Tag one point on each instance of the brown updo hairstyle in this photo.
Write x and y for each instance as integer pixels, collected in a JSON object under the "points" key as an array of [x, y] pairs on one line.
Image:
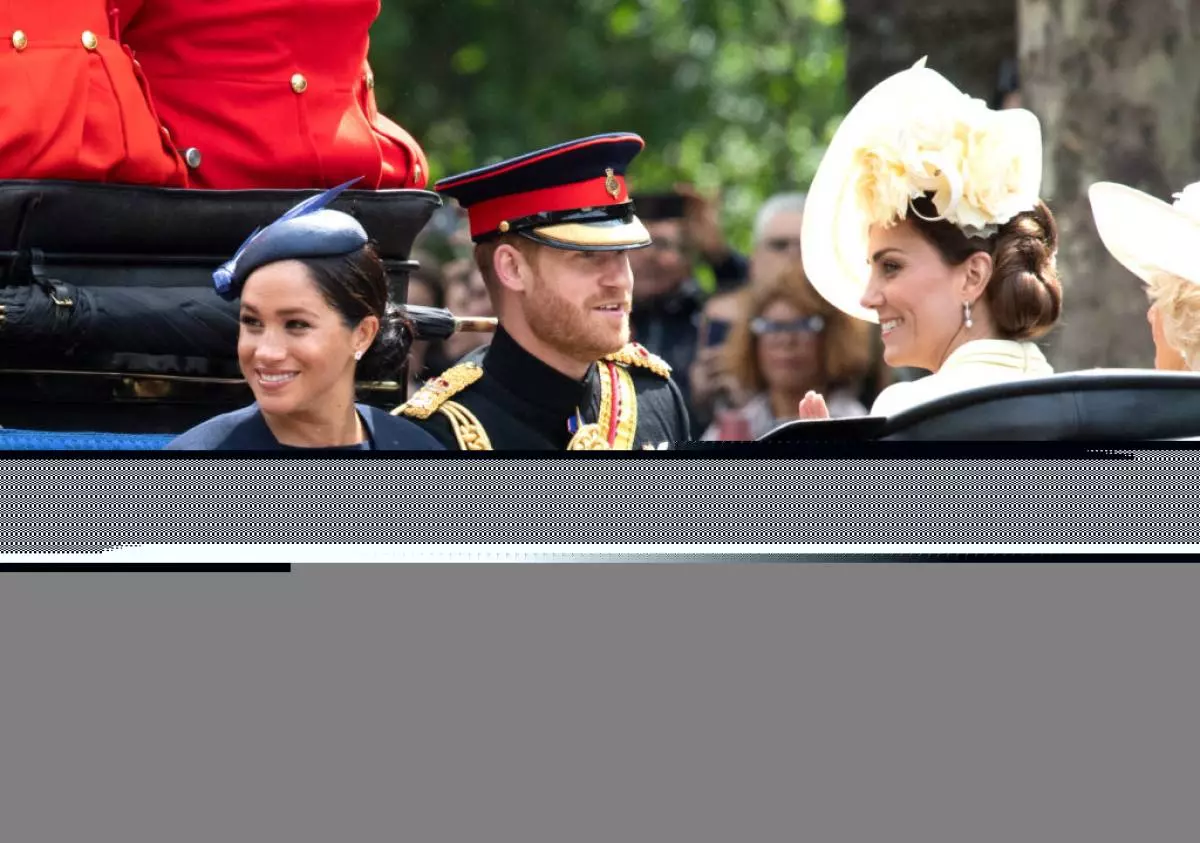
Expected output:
{"points": [[1024, 296]]}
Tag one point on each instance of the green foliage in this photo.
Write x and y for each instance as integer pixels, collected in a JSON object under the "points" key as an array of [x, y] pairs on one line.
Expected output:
{"points": [[737, 98]]}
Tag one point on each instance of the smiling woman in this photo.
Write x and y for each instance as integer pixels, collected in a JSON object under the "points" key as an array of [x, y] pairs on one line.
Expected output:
{"points": [[924, 216], [314, 317]]}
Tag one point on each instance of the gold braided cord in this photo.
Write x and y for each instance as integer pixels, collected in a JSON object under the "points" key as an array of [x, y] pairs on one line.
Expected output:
{"points": [[468, 430], [604, 417], [593, 437], [589, 437], [627, 423]]}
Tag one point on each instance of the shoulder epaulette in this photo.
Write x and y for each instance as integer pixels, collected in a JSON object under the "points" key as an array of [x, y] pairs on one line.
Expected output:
{"points": [[437, 391], [635, 355]]}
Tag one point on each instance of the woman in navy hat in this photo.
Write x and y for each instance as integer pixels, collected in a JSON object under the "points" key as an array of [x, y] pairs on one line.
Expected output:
{"points": [[314, 317]]}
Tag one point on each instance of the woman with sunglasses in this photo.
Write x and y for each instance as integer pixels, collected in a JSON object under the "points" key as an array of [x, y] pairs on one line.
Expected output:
{"points": [[313, 300], [787, 342]]}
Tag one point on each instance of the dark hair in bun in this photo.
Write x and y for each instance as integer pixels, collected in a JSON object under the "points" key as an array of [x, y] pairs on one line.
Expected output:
{"points": [[1024, 296], [356, 286]]}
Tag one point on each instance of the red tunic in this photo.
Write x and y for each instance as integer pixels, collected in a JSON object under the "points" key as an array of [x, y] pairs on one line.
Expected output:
{"points": [[270, 93], [72, 105]]}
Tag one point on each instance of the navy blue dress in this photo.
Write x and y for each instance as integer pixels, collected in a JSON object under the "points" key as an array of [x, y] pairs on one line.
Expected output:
{"points": [[246, 430]]}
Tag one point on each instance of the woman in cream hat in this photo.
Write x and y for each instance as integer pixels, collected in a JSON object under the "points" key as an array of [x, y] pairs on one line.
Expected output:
{"points": [[1157, 242], [924, 216]]}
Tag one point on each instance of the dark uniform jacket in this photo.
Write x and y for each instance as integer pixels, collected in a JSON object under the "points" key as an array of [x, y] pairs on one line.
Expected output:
{"points": [[246, 430], [511, 400]]}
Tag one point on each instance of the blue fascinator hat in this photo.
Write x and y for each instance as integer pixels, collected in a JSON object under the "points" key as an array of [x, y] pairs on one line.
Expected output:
{"points": [[309, 230]]}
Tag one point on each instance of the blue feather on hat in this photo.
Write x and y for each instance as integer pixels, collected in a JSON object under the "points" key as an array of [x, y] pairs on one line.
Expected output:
{"points": [[310, 229]]}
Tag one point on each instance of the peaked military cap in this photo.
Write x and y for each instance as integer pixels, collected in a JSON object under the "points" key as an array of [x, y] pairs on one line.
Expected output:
{"points": [[308, 230], [569, 196]]}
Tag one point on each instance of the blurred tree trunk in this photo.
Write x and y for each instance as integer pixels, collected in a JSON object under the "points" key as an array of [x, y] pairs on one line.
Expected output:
{"points": [[1117, 87], [966, 40]]}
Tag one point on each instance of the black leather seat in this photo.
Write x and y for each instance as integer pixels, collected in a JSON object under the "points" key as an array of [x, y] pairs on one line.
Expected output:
{"points": [[1093, 405], [124, 235]]}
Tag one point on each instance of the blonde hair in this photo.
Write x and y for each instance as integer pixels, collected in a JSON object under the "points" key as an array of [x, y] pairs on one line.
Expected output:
{"points": [[845, 341], [1178, 303]]}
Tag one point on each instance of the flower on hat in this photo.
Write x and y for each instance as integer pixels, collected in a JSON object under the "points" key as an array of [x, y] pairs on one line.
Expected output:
{"points": [[957, 150], [1187, 201]]}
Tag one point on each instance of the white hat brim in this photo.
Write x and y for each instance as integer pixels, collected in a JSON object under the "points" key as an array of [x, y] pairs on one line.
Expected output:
{"points": [[1146, 235], [835, 229]]}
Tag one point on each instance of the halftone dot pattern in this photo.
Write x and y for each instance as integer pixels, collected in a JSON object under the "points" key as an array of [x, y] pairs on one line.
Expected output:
{"points": [[82, 504]]}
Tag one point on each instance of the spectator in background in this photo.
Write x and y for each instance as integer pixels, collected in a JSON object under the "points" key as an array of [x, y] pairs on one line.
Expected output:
{"points": [[776, 250], [445, 236], [666, 297], [776, 236], [446, 248], [713, 384], [703, 232], [670, 312], [787, 341], [465, 295], [777, 247]]}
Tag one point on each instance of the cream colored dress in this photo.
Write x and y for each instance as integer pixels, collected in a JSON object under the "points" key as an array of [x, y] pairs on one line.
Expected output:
{"points": [[972, 364]]}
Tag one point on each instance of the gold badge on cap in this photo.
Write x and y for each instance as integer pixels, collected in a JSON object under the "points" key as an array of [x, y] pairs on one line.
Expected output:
{"points": [[611, 184]]}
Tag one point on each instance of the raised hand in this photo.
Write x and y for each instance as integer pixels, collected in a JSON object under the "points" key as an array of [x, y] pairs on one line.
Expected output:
{"points": [[812, 407]]}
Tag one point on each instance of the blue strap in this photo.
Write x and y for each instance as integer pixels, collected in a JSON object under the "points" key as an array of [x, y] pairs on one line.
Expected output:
{"points": [[45, 440]]}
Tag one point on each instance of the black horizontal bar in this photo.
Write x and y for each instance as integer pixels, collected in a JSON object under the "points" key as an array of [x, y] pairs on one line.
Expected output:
{"points": [[149, 567], [184, 260]]}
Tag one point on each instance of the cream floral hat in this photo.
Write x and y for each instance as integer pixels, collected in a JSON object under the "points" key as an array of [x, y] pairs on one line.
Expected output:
{"points": [[1147, 235], [911, 134]]}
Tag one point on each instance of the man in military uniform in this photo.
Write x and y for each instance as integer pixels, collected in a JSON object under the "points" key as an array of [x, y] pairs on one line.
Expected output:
{"points": [[552, 230]]}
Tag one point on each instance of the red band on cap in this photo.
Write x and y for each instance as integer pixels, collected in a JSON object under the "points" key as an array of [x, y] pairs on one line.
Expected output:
{"points": [[486, 216]]}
